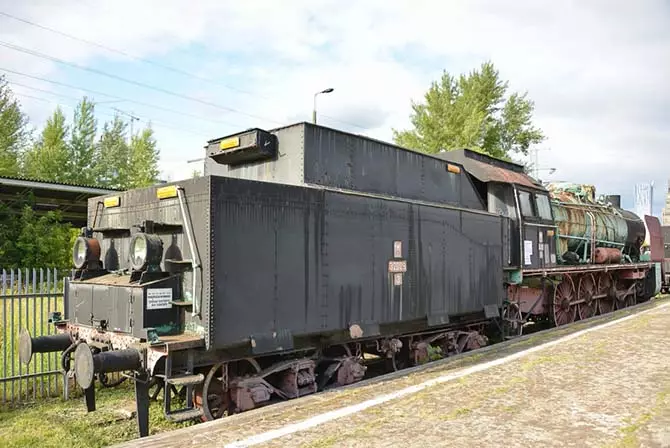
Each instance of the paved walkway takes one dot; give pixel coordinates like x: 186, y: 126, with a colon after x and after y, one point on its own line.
x: 606, y: 387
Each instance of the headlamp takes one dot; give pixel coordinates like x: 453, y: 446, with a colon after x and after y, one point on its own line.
x: 85, y: 250
x: 145, y: 251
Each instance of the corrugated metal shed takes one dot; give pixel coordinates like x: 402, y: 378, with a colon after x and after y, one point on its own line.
x: 70, y: 199
x: 489, y: 169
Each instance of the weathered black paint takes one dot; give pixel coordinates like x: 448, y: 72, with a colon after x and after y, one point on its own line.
x: 338, y: 159
x: 317, y: 155
x: 281, y: 262
x: 543, y: 246
x: 310, y: 261
x: 122, y: 306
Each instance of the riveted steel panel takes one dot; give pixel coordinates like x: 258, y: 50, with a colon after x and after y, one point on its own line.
x: 115, y: 226
x: 304, y: 261
x: 317, y: 155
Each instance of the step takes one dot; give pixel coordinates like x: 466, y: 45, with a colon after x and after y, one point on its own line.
x: 183, y: 415
x: 181, y: 303
x: 186, y: 380
x: 188, y: 262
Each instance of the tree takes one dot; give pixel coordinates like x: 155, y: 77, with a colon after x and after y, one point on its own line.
x: 13, y: 133
x: 44, y: 241
x: 81, y: 168
x: 113, y: 155
x: 471, y: 112
x: 143, y: 164
x: 49, y: 157
x: 27, y: 240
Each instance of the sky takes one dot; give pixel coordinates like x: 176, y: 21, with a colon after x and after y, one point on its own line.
x: 596, y: 70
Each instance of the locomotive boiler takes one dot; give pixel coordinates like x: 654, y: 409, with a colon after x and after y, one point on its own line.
x: 590, y: 230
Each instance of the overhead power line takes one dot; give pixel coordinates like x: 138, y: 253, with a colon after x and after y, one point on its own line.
x: 126, y: 54
x: 126, y: 80
x: 144, y: 119
x: 141, y: 103
x: 157, y: 64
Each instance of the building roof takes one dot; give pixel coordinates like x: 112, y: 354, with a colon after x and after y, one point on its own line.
x: 70, y: 199
x: 489, y: 169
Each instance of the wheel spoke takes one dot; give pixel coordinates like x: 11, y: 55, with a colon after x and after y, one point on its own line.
x: 564, y: 294
x: 587, y: 288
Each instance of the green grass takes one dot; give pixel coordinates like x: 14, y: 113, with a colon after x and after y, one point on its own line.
x: 31, y: 313
x: 54, y: 422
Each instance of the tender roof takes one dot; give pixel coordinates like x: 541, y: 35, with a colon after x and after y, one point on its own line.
x: 489, y: 169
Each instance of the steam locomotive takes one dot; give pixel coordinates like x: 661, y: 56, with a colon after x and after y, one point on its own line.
x: 306, y: 257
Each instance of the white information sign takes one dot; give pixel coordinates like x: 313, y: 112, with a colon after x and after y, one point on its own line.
x: 159, y: 298
x: 527, y: 251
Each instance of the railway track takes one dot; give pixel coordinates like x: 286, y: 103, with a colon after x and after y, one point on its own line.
x: 535, y: 334
x: 531, y: 335
x: 290, y: 417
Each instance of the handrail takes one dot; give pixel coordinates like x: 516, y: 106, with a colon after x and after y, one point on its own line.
x: 195, y: 261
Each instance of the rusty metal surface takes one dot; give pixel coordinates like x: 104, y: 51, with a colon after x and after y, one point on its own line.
x: 350, y: 371
x: 587, y: 268
x: 182, y: 341
x: 109, y: 280
x: 581, y: 219
x: 488, y: 169
x: 655, y: 237
x: 604, y: 255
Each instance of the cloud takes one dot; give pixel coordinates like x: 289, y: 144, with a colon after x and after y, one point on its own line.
x: 597, y: 71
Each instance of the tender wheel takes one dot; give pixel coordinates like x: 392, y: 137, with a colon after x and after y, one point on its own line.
x: 563, y: 310
x: 587, y: 306
x: 214, y: 398
x: 512, y: 320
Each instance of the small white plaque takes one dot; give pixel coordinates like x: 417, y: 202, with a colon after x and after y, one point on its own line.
x: 159, y: 298
x: 397, y: 249
x: 527, y: 251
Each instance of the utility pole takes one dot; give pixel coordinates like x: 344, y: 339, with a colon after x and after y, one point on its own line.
x: 535, y: 160
x: 132, y: 117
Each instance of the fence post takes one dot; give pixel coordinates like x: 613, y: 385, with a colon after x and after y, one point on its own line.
x: 66, y: 297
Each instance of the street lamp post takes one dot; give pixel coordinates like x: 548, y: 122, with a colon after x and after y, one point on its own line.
x: 314, y: 109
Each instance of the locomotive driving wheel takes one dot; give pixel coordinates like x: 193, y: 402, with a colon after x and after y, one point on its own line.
x: 587, y: 304
x: 563, y: 310
x: 625, y: 295
x: 605, y: 304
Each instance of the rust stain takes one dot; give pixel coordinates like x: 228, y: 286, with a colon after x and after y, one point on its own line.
x: 108, y: 279
x: 498, y: 174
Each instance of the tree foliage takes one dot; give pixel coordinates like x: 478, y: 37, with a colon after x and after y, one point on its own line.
x: 82, y: 144
x: 113, y: 155
x: 471, y: 111
x: 13, y: 131
x: 69, y: 153
x: 143, y: 160
x: 77, y: 155
x: 28, y: 240
x: 48, y: 159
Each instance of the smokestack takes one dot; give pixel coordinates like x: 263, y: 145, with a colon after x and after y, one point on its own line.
x: 614, y: 199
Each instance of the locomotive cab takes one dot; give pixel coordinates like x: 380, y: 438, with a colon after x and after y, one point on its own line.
x: 508, y: 191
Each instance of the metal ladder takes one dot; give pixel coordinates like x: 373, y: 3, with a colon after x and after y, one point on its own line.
x: 187, y: 379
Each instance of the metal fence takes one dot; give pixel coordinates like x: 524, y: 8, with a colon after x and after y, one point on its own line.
x: 27, y: 296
